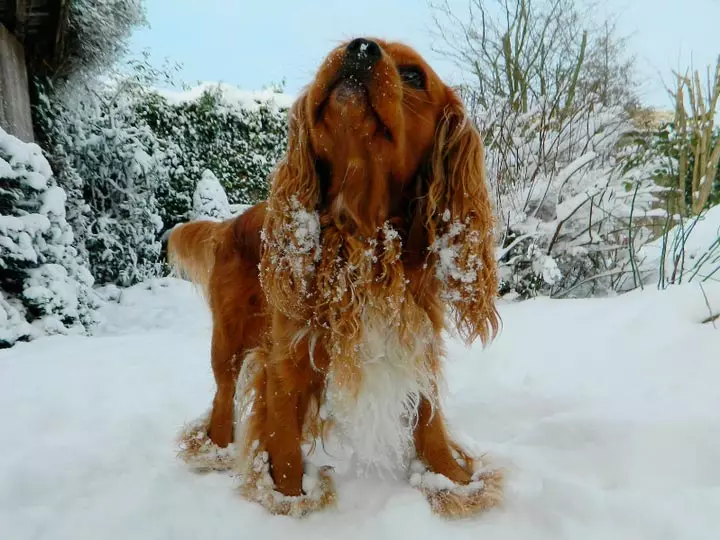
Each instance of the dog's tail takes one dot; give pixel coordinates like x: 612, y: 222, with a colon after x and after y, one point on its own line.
x: 191, y: 249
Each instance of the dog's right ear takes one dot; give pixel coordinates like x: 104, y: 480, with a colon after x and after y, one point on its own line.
x: 291, y: 231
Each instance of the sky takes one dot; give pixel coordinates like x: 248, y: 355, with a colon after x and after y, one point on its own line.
x: 255, y: 43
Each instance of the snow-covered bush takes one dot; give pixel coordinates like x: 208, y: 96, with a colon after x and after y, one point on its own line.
x: 552, y: 89
x: 112, y: 166
x: 45, y: 288
x: 96, y: 37
x: 687, y: 140
x: 571, y: 208
x: 209, y: 199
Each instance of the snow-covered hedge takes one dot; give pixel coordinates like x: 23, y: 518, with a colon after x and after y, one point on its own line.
x: 237, y: 135
x: 130, y: 158
x: 45, y: 288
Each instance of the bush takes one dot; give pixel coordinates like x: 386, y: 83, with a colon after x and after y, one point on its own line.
x: 45, y: 288
x: 553, y: 95
x: 112, y: 166
x: 690, y: 143
x: 210, y: 200
x: 572, y: 212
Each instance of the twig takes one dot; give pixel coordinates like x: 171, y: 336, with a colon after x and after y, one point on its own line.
x: 663, y: 253
x: 713, y: 316
x: 506, y: 250
x: 610, y: 273
x: 631, y: 247
x: 563, y: 221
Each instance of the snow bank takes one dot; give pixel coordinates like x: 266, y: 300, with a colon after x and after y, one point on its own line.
x: 603, y: 412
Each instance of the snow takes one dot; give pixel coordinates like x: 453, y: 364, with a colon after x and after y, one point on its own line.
x: 448, y: 250
x: 694, y: 244
x: 23, y: 160
x: 237, y: 209
x: 53, y: 202
x: 33, y: 224
x: 306, y: 227
x: 545, y: 266
x: 233, y: 97
x: 603, y: 413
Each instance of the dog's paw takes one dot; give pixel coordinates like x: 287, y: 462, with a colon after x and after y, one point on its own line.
x: 199, y: 451
x: 317, y: 485
x: 451, y: 500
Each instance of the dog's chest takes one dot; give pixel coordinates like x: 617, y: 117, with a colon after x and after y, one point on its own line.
x: 377, y: 423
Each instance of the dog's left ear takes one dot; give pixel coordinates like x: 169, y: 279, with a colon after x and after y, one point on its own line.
x: 459, y: 224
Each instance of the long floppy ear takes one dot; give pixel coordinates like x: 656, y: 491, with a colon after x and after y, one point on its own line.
x: 291, y: 231
x: 459, y: 223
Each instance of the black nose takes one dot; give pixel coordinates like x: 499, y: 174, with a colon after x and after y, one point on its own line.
x: 361, y: 55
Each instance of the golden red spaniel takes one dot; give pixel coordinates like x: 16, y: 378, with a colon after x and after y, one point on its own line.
x: 329, y: 300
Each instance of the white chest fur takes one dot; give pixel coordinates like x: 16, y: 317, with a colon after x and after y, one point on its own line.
x: 378, y: 424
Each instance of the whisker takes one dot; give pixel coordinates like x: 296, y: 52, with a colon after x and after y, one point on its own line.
x: 417, y: 97
x: 415, y: 112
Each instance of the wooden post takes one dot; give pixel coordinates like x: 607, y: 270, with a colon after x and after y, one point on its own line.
x: 15, y: 117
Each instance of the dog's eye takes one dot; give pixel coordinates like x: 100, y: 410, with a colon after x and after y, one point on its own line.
x: 413, y: 76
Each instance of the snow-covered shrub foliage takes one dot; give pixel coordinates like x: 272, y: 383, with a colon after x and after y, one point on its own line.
x: 44, y: 286
x: 209, y: 199
x: 112, y: 165
x: 96, y: 37
x: 675, y: 146
x: 551, y: 86
x: 237, y: 135
x: 571, y: 208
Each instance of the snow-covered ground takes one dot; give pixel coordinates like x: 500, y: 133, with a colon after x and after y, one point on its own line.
x: 605, y: 414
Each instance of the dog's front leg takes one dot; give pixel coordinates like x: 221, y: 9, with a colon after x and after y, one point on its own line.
x: 435, y: 448
x: 283, y: 433
x: 454, y: 483
x: 277, y: 476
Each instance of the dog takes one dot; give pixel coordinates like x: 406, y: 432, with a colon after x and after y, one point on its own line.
x: 329, y: 300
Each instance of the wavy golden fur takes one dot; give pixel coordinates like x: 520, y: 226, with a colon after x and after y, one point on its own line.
x: 378, y: 218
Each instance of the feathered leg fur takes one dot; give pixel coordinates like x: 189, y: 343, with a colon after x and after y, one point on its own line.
x: 278, y: 394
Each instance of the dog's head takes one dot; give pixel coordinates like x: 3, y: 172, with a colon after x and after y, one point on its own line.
x: 376, y: 137
x: 373, y: 112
